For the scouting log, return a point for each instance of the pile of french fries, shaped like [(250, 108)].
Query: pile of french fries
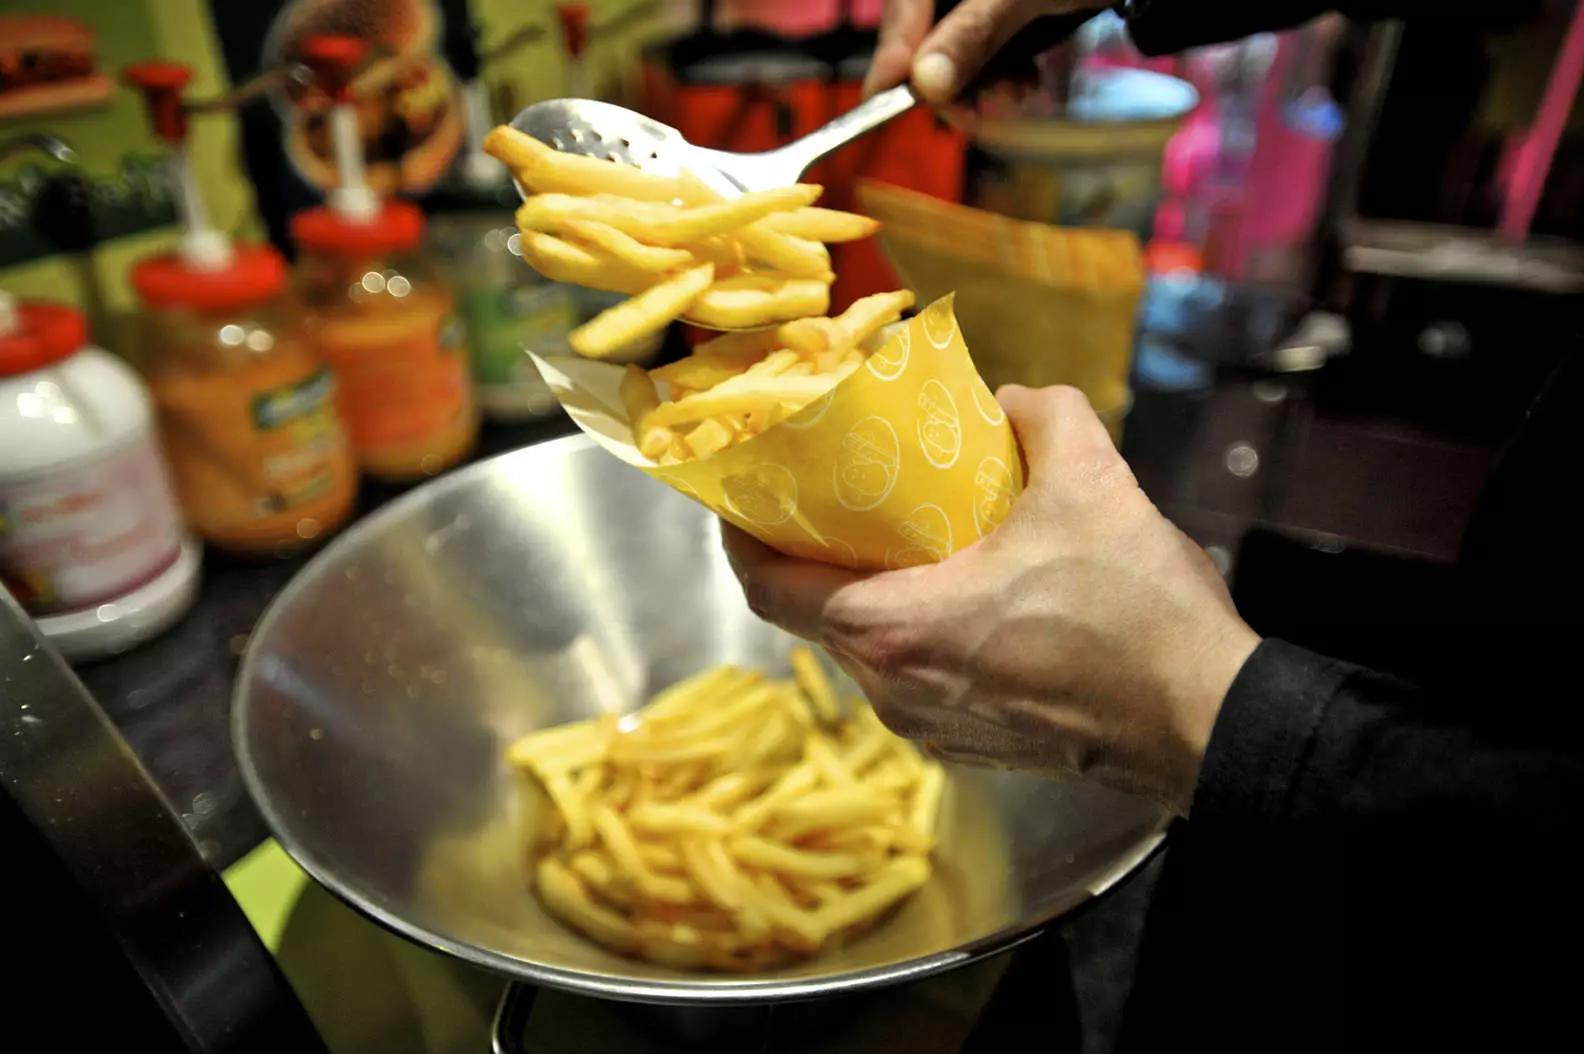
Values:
[(671, 243), (735, 823), (740, 384)]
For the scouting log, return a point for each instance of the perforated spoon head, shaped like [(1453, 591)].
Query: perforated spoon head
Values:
[(615, 133), (602, 129)]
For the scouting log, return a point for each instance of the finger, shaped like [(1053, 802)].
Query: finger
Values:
[(1049, 422), (963, 42), (903, 27), (789, 592)]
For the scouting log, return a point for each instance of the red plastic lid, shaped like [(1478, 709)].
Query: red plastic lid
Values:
[(335, 60), (45, 333), (574, 27), (397, 228), (161, 84), (255, 274)]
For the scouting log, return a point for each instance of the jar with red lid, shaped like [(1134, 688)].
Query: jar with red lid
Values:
[(247, 409), (91, 541), (385, 323)]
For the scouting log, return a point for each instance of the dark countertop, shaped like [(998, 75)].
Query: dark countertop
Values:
[(1222, 446)]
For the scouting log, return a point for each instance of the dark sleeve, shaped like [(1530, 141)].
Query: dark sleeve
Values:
[(1364, 867)]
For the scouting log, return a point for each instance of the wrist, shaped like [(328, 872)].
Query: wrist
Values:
[(1203, 677)]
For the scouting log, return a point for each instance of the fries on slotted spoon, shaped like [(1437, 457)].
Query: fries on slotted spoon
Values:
[(596, 223)]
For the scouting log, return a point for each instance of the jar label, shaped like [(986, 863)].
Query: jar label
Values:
[(89, 534), (504, 324), (398, 385), (258, 456)]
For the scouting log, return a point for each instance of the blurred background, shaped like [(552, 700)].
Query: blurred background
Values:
[(1312, 281)]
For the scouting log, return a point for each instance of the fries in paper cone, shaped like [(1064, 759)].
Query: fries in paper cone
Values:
[(904, 462)]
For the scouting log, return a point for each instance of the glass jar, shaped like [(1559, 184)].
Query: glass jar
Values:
[(384, 321), (246, 408), (508, 309)]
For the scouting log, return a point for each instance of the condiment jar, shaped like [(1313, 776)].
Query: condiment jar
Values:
[(246, 407), (91, 541), (509, 310), (384, 322)]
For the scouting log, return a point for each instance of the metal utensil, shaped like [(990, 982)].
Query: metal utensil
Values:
[(602, 129), (380, 691)]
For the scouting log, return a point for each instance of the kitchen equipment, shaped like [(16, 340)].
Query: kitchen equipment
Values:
[(119, 901), (602, 129), (381, 689)]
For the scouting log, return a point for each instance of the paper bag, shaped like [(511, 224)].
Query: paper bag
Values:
[(906, 461)]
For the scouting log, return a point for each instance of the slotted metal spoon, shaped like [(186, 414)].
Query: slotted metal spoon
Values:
[(602, 129)]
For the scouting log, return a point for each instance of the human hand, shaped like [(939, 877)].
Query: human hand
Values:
[(1086, 637), (941, 59)]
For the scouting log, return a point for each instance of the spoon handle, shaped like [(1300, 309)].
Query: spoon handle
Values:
[(792, 160)]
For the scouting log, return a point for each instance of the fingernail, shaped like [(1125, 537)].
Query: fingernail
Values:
[(935, 76)]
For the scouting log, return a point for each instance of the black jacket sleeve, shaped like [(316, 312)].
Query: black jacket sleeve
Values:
[(1365, 868)]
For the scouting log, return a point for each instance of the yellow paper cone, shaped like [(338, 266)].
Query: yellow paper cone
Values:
[(905, 462)]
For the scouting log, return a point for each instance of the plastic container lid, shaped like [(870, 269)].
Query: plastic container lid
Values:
[(398, 227), (255, 274), (44, 333)]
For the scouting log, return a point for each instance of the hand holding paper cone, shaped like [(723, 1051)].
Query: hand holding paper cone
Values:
[(904, 462)]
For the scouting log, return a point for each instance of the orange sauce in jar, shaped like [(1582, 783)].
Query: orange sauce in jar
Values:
[(246, 408), (385, 324)]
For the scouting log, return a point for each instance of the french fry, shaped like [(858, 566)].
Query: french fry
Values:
[(811, 337), (746, 307), (721, 250), (868, 314), (722, 826), (657, 224), (927, 801), (544, 169), (561, 261), (787, 253), (566, 897), (695, 373), (655, 818), (653, 309), (704, 221), (637, 393), (740, 395), (821, 225), (848, 807), (624, 247), (816, 687), (899, 878)]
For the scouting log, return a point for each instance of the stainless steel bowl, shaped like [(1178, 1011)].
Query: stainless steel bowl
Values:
[(382, 687)]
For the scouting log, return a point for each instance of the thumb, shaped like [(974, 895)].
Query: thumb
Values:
[(903, 27), (1053, 421), (959, 46)]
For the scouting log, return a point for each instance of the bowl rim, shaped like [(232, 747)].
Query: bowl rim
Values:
[(707, 989)]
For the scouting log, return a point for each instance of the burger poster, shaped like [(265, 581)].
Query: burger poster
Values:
[(47, 65), (58, 66), (409, 103)]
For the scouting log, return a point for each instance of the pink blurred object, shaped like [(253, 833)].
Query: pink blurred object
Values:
[(803, 18), (1535, 153)]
